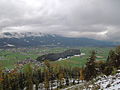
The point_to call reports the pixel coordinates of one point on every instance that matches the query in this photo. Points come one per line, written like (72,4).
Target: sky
(98,19)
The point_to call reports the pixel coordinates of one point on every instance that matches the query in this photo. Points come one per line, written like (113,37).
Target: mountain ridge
(31,39)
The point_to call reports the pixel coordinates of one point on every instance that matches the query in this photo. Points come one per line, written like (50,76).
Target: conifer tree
(46,78)
(50,71)
(114,58)
(36,79)
(21,80)
(111,58)
(82,74)
(1,78)
(29,77)
(90,70)
(117,60)
(60,77)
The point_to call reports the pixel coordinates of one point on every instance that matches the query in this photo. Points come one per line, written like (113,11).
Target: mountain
(17,39)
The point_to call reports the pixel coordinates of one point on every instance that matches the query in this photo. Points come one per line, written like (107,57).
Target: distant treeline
(55,76)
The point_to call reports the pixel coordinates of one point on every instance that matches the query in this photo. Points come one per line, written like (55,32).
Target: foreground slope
(103,82)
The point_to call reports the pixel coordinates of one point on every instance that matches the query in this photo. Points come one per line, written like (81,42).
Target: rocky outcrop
(56,56)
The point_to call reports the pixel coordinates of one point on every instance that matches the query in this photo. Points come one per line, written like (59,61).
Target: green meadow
(79,61)
(9,57)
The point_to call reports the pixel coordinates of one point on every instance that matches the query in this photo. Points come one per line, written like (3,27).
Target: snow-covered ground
(111,82)
(82,54)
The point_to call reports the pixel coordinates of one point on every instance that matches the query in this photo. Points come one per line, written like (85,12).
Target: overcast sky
(99,19)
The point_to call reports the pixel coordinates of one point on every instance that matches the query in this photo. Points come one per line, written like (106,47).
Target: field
(76,61)
(9,57)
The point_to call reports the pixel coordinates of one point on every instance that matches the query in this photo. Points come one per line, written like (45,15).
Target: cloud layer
(99,19)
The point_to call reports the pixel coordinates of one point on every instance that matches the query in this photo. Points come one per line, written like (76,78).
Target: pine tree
(29,77)
(60,77)
(1,77)
(36,79)
(21,80)
(50,71)
(82,74)
(114,58)
(111,58)
(46,78)
(117,61)
(90,70)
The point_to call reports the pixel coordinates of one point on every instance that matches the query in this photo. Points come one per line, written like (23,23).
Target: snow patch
(82,54)
(10,45)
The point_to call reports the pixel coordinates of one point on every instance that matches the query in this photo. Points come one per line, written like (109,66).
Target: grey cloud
(97,19)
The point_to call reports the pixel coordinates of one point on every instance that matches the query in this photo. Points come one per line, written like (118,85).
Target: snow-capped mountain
(26,39)
(20,34)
